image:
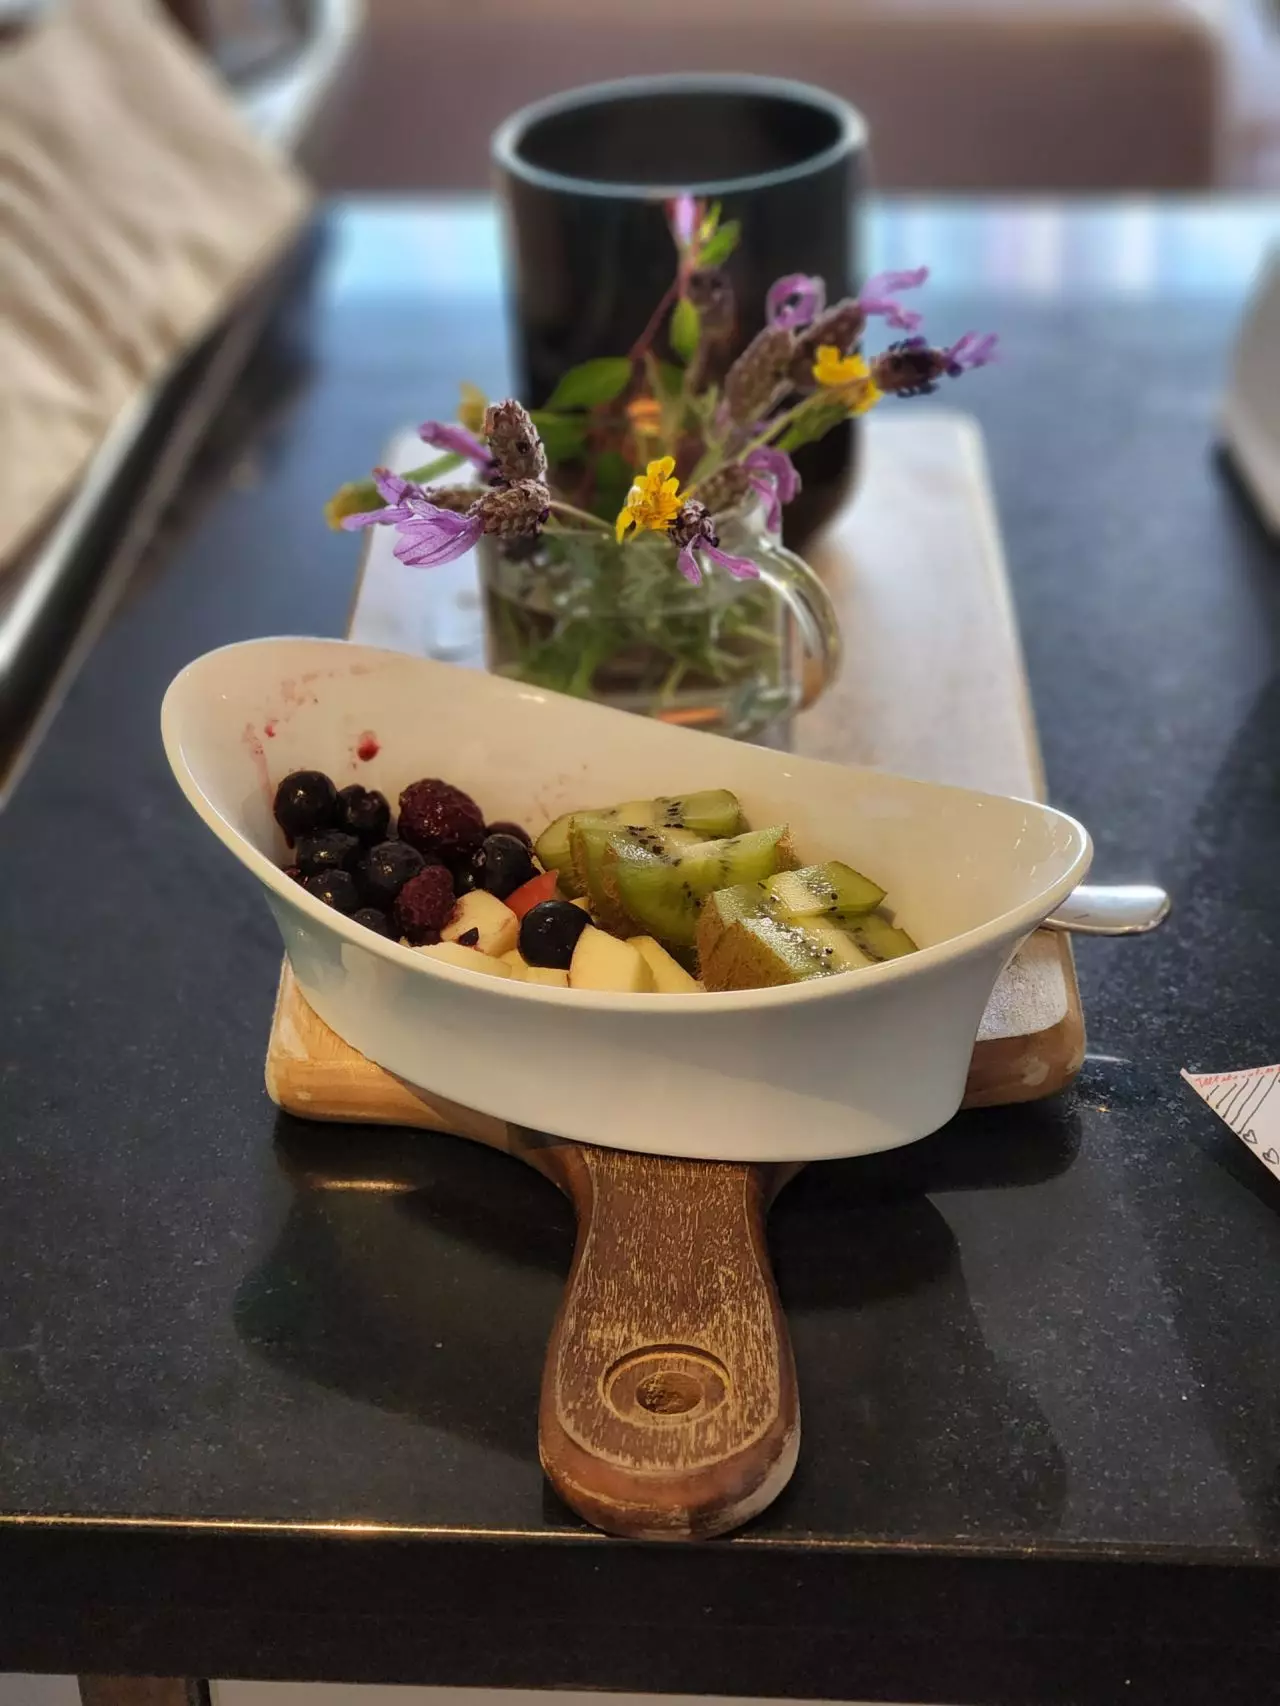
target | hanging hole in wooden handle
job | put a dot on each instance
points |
(669, 1406)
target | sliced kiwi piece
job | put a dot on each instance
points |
(757, 952)
(744, 942)
(628, 845)
(663, 892)
(818, 890)
(588, 829)
(590, 839)
(878, 938)
(712, 812)
(721, 911)
(555, 853)
(835, 946)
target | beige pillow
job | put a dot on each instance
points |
(134, 206)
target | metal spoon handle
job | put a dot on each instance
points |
(1113, 909)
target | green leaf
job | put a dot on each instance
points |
(812, 423)
(705, 404)
(685, 329)
(613, 482)
(592, 382)
(718, 249)
(564, 437)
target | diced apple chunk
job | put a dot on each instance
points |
(549, 976)
(669, 977)
(467, 959)
(497, 927)
(603, 962)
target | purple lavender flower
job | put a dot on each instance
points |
(694, 532)
(880, 296)
(442, 435)
(774, 479)
(974, 349)
(395, 492)
(794, 300)
(684, 215)
(741, 568)
(428, 535)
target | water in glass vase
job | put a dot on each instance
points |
(577, 613)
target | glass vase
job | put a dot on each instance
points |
(580, 614)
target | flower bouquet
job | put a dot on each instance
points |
(629, 530)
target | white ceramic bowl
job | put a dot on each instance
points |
(840, 1066)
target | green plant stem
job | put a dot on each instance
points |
(650, 332)
(593, 521)
(774, 427)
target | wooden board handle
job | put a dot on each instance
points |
(669, 1406)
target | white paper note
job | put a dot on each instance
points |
(1248, 1103)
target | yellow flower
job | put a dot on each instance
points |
(471, 406)
(653, 501)
(848, 375)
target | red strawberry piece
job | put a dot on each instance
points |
(533, 893)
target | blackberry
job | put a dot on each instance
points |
(438, 818)
(423, 906)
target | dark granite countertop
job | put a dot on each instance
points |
(262, 1417)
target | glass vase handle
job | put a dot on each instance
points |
(814, 614)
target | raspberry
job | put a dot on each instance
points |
(440, 819)
(423, 906)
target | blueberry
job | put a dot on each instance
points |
(363, 812)
(385, 869)
(502, 864)
(464, 878)
(511, 829)
(305, 801)
(336, 888)
(329, 850)
(549, 933)
(372, 919)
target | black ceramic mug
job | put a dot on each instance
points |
(583, 178)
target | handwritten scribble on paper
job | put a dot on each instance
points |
(1244, 1101)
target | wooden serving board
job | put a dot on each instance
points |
(669, 1405)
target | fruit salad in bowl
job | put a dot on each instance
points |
(631, 899)
(607, 928)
